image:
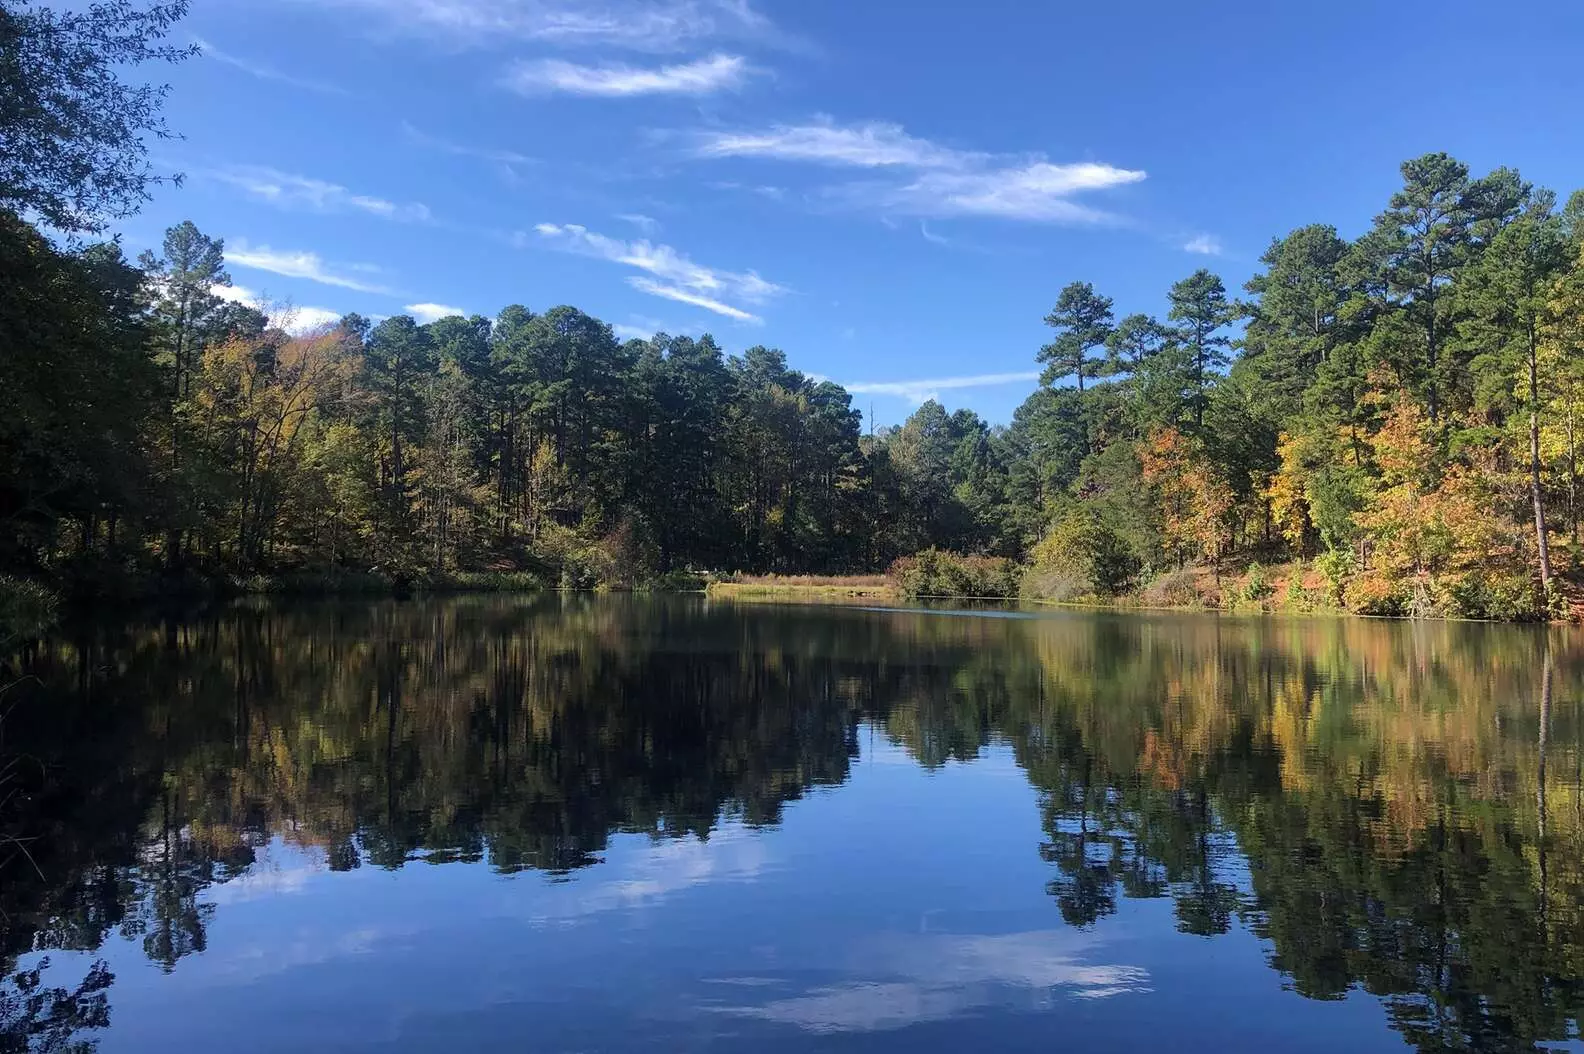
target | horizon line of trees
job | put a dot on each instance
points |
(1400, 407)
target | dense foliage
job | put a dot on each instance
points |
(1425, 455)
(1399, 408)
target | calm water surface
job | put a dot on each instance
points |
(579, 824)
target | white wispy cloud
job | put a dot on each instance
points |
(445, 146)
(295, 264)
(945, 181)
(1040, 192)
(764, 190)
(904, 981)
(1203, 244)
(922, 391)
(299, 320)
(647, 224)
(672, 275)
(288, 190)
(685, 296)
(433, 312)
(637, 25)
(641, 327)
(613, 81)
(266, 72)
(292, 318)
(872, 144)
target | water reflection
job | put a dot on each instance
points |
(936, 977)
(1389, 808)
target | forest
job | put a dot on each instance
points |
(1388, 415)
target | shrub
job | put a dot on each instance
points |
(1256, 587)
(1175, 589)
(1081, 546)
(680, 582)
(937, 573)
(481, 582)
(1377, 593)
(1492, 595)
(1338, 566)
(26, 608)
(1298, 597)
(575, 562)
(1059, 587)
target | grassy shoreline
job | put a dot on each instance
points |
(832, 593)
(29, 606)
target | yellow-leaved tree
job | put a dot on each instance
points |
(1195, 501)
(253, 399)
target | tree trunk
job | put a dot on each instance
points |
(1573, 511)
(1543, 546)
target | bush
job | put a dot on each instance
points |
(575, 562)
(1377, 593)
(937, 573)
(480, 582)
(1298, 597)
(27, 608)
(1060, 587)
(1492, 595)
(680, 582)
(1338, 566)
(1176, 589)
(1082, 547)
(1256, 587)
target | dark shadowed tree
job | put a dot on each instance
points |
(73, 133)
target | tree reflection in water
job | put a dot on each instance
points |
(1391, 807)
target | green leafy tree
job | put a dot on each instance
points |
(1418, 245)
(1297, 318)
(1082, 320)
(1199, 304)
(73, 133)
(1506, 297)
(398, 362)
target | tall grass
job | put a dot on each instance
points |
(322, 583)
(802, 581)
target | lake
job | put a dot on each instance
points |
(578, 823)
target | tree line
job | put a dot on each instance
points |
(1400, 407)
(1398, 410)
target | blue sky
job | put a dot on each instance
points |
(893, 193)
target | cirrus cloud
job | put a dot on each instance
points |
(636, 25)
(266, 72)
(299, 264)
(871, 144)
(291, 191)
(923, 390)
(614, 81)
(683, 296)
(943, 181)
(670, 274)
